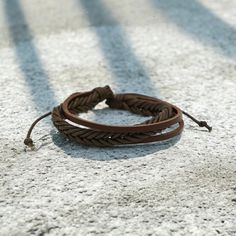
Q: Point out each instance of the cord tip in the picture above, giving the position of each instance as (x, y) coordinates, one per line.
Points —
(29, 142)
(204, 124)
(210, 128)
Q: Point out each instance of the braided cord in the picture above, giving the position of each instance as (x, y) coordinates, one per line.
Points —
(84, 102)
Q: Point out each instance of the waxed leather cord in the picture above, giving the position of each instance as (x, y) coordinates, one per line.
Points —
(163, 116)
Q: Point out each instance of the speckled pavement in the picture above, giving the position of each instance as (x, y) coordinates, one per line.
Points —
(181, 51)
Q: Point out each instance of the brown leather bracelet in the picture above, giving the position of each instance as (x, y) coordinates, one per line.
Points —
(163, 115)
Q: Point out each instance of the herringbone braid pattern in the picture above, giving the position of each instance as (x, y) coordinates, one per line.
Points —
(85, 102)
(94, 137)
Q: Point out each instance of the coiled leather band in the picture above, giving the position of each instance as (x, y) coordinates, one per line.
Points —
(163, 115)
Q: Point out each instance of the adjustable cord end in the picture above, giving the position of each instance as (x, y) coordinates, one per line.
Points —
(29, 142)
(204, 124)
(200, 123)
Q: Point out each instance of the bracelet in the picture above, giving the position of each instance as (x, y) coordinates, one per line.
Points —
(163, 115)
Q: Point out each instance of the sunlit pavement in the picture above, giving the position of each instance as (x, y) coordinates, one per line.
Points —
(181, 51)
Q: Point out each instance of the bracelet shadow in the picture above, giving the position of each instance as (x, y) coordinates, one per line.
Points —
(76, 150)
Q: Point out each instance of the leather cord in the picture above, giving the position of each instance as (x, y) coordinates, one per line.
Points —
(163, 116)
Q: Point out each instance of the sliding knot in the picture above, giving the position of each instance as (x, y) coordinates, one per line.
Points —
(116, 102)
(104, 92)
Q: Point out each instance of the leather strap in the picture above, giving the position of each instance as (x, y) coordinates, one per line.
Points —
(164, 115)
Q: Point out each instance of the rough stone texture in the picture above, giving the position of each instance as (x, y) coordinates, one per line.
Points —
(181, 51)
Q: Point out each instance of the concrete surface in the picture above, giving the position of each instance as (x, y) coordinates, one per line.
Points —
(181, 51)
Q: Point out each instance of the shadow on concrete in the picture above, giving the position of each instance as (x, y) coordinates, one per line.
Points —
(116, 48)
(193, 18)
(76, 150)
(27, 57)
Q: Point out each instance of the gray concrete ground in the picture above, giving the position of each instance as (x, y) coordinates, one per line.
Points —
(181, 51)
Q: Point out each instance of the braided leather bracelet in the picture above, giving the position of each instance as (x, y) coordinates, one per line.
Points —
(163, 115)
